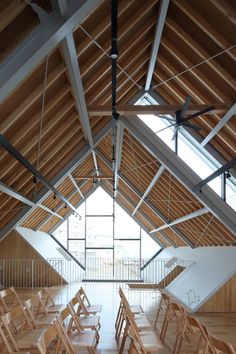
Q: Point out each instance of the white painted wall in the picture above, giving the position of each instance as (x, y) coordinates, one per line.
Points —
(212, 267)
(49, 249)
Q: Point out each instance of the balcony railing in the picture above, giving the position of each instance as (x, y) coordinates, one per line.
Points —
(55, 271)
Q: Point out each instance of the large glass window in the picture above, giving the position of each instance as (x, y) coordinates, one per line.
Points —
(99, 231)
(200, 164)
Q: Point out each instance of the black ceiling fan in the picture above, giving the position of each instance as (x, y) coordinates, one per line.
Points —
(181, 120)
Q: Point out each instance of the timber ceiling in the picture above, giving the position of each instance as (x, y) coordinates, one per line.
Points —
(40, 115)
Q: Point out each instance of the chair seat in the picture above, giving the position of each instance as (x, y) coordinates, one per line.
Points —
(93, 309)
(83, 339)
(142, 322)
(135, 309)
(150, 341)
(55, 308)
(89, 321)
(29, 339)
(45, 320)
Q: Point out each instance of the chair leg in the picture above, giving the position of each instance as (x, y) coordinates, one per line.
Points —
(125, 334)
(158, 312)
(120, 328)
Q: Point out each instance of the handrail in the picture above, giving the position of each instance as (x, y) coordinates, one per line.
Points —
(67, 251)
(151, 259)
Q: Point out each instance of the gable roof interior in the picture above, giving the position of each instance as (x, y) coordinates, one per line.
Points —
(192, 33)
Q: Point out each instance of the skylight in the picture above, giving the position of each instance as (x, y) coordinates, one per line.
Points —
(187, 151)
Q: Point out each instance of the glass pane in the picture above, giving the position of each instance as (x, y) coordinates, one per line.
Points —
(99, 264)
(148, 246)
(77, 248)
(99, 231)
(231, 197)
(61, 234)
(125, 227)
(99, 203)
(127, 249)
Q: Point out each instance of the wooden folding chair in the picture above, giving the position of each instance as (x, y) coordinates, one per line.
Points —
(8, 299)
(174, 313)
(84, 322)
(195, 332)
(47, 339)
(140, 320)
(219, 346)
(86, 308)
(163, 304)
(120, 319)
(46, 304)
(74, 340)
(19, 330)
(144, 341)
(41, 320)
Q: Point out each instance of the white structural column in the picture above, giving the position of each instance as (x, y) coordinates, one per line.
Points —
(30, 53)
(55, 181)
(219, 125)
(184, 218)
(163, 8)
(149, 188)
(14, 194)
(181, 171)
(69, 51)
(148, 203)
(119, 139)
(76, 185)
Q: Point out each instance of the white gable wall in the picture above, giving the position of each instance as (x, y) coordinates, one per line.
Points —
(212, 267)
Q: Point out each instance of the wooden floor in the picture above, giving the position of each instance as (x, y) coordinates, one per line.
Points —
(221, 325)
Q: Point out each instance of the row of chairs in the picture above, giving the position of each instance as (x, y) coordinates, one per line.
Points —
(131, 322)
(188, 329)
(136, 327)
(70, 328)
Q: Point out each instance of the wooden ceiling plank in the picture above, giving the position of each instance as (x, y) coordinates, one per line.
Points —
(231, 112)
(181, 171)
(201, 52)
(139, 194)
(127, 110)
(205, 26)
(34, 49)
(225, 7)
(13, 9)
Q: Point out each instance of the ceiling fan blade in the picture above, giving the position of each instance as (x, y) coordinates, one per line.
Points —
(161, 130)
(175, 133)
(203, 111)
(162, 116)
(185, 107)
(190, 125)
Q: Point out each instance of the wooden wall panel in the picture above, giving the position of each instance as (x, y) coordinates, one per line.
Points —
(224, 300)
(18, 261)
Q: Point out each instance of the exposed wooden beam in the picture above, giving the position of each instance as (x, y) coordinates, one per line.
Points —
(92, 177)
(76, 185)
(184, 218)
(162, 12)
(128, 110)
